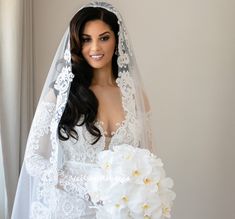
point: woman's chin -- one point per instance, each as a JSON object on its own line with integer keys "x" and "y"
{"x": 98, "y": 65}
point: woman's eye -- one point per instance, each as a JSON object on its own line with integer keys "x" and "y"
{"x": 105, "y": 38}
{"x": 84, "y": 40}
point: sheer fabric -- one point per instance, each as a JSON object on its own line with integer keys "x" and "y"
{"x": 52, "y": 180}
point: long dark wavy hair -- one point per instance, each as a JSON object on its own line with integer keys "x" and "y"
{"x": 82, "y": 102}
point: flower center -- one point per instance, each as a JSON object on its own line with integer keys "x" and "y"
{"x": 125, "y": 199}
{"x": 147, "y": 181}
{"x": 135, "y": 173}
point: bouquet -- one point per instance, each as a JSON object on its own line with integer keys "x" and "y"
{"x": 130, "y": 183}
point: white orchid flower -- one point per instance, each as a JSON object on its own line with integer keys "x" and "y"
{"x": 130, "y": 183}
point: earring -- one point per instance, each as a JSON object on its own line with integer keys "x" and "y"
{"x": 116, "y": 51}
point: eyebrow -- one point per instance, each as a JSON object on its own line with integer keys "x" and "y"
{"x": 99, "y": 35}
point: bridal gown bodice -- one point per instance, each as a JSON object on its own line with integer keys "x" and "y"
{"x": 78, "y": 156}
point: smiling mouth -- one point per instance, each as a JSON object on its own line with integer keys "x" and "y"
{"x": 97, "y": 57}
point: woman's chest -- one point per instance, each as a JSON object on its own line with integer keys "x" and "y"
{"x": 111, "y": 113}
{"x": 83, "y": 151}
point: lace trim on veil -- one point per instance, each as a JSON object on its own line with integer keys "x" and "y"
{"x": 43, "y": 166}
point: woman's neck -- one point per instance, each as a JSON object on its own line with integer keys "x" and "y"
{"x": 103, "y": 77}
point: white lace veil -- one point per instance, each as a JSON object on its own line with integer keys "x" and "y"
{"x": 36, "y": 193}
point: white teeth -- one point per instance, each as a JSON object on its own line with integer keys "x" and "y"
{"x": 97, "y": 57}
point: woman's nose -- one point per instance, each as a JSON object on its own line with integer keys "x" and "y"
{"x": 95, "y": 46}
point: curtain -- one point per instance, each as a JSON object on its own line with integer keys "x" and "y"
{"x": 3, "y": 198}
{"x": 16, "y": 88}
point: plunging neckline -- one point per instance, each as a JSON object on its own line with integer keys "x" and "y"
{"x": 113, "y": 133}
{"x": 120, "y": 125}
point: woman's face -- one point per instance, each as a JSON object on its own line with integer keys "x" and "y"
{"x": 98, "y": 44}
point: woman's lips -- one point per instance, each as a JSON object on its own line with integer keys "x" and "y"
{"x": 97, "y": 57}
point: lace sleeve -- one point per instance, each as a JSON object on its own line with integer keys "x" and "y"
{"x": 149, "y": 132}
{"x": 149, "y": 127}
{"x": 37, "y": 162}
{"x": 38, "y": 147}
{"x": 72, "y": 184}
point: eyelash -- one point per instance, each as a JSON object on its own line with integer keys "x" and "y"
{"x": 104, "y": 38}
{"x": 84, "y": 40}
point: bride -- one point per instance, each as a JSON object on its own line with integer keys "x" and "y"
{"x": 92, "y": 100}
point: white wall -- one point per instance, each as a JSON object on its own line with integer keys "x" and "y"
{"x": 186, "y": 51}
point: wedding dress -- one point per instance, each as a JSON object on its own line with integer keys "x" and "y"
{"x": 53, "y": 174}
{"x": 79, "y": 157}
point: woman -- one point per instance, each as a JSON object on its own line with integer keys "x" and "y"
{"x": 92, "y": 100}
